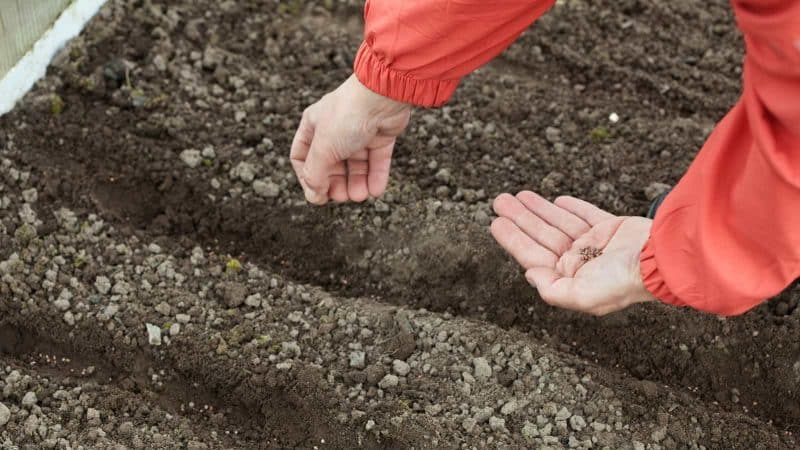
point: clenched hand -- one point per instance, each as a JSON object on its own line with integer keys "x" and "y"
{"x": 343, "y": 147}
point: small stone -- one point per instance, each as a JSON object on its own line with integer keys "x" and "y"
{"x": 30, "y": 195}
{"x": 638, "y": 445}
{"x": 163, "y": 308}
{"x": 253, "y": 301}
{"x": 577, "y": 423}
{"x": 174, "y": 329}
{"x": 563, "y": 414}
{"x": 5, "y": 415}
{"x": 102, "y": 284}
{"x": 483, "y": 371}
{"x": 291, "y": 348}
{"x": 183, "y": 318}
{"x": 483, "y": 414}
{"x": 401, "y": 367}
{"x": 357, "y": 359}
{"x": 266, "y": 188}
{"x": 389, "y": 381}
{"x": 552, "y": 135}
{"x": 153, "y": 334}
{"x": 234, "y": 294}
{"x": 244, "y": 171}
{"x": 509, "y": 408}
{"x": 469, "y": 424}
{"x": 69, "y": 318}
{"x": 29, "y": 399}
{"x": 93, "y": 416}
{"x": 613, "y": 117}
{"x": 61, "y": 304}
{"x": 370, "y": 425}
{"x": 529, "y": 431}
{"x": 659, "y": 434}
{"x": 497, "y": 424}
{"x": 191, "y": 158}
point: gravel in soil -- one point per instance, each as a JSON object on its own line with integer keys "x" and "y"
{"x": 164, "y": 284}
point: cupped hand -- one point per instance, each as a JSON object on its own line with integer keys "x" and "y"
{"x": 343, "y": 147}
{"x": 578, "y": 256}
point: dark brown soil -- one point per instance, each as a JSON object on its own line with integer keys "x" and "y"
{"x": 536, "y": 118}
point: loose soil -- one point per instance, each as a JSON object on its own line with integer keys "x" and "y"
{"x": 159, "y": 191}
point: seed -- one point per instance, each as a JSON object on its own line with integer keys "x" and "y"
{"x": 590, "y": 253}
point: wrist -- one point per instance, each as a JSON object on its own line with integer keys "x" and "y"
{"x": 376, "y": 103}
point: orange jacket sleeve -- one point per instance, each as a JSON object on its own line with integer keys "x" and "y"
{"x": 416, "y": 51}
{"x": 728, "y": 236}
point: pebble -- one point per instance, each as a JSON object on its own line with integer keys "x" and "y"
{"x": 61, "y": 304}
{"x": 102, "y": 284}
{"x": 483, "y": 414}
{"x": 483, "y": 371}
{"x": 401, "y": 367}
{"x": 30, "y": 195}
{"x": 389, "y": 381}
{"x": 253, "y": 300}
{"x": 370, "y": 425}
{"x": 191, "y": 158}
{"x": 174, "y": 329}
{"x": 529, "y": 431}
{"x": 234, "y": 294}
{"x": 244, "y": 171}
{"x": 153, "y": 334}
{"x": 577, "y": 423}
{"x": 563, "y": 414}
{"x": 509, "y": 408}
{"x": 183, "y": 318}
{"x": 163, "y": 308}
{"x": 497, "y": 424}
{"x": 266, "y": 188}
{"x": 469, "y": 424}
{"x": 29, "y": 399}
{"x": 69, "y": 318}
{"x": 5, "y": 414}
{"x": 357, "y": 359}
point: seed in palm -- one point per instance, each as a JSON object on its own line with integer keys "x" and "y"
{"x": 590, "y": 253}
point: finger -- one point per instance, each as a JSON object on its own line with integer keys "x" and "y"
{"x": 506, "y": 205}
{"x": 357, "y": 170}
{"x": 554, "y": 289}
{"x": 318, "y": 169}
{"x": 338, "y": 189}
{"x": 380, "y": 161}
{"x": 570, "y": 224}
{"x": 527, "y": 252}
{"x": 588, "y": 212}
{"x": 300, "y": 147}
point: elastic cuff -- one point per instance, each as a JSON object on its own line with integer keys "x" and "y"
{"x": 373, "y": 73}
{"x": 652, "y": 279}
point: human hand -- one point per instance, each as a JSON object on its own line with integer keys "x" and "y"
{"x": 343, "y": 147}
{"x": 578, "y": 256}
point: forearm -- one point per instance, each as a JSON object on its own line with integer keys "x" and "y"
{"x": 727, "y": 237}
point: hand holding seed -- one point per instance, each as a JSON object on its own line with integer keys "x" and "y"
{"x": 578, "y": 256}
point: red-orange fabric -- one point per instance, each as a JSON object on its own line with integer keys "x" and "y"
{"x": 416, "y": 51}
{"x": 728, "y": 236}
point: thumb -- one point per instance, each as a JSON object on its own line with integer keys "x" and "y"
{"x": 317, "y": 170}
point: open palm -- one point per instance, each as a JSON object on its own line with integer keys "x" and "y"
{"x": 578, "y": 256}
